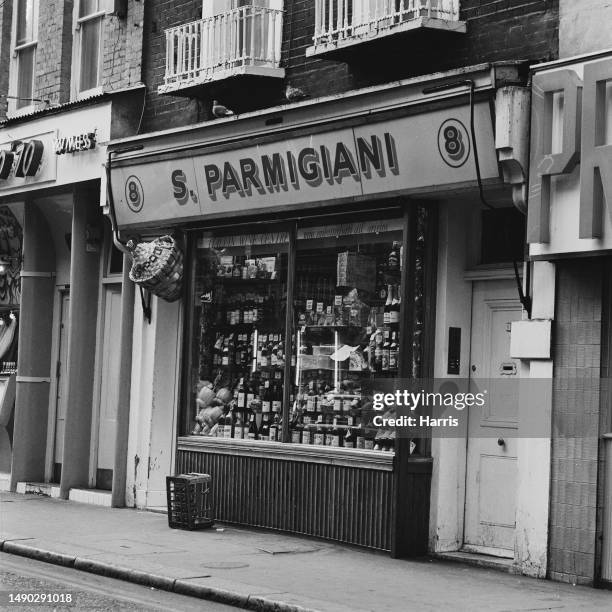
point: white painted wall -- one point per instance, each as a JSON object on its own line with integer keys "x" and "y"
{"x": 57, "y": 170}
{"x": 453, "y": 309}
{"x": 141, "y": 399}
{"x": 534, "y": 454}
{"x": 153, "y": 403}
{"x": 584, "y": 26}
{"x": 164, "y": 408}
{"x": 458, "y": 240}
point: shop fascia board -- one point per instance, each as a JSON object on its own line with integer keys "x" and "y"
{"x": 59, "y": 171}
{"x": 363, "y": 105}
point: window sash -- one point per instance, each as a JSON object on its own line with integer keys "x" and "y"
{"x": 25, "y": 22}
{"x": 26, "y": 61}
{"x": 91, "y": 17}
{"x": 89, "y": 54}
{"x": 88, "y": 7}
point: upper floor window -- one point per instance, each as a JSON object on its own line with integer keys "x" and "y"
{"x": 88, "y": 45}
{"x": 25, "y": 34}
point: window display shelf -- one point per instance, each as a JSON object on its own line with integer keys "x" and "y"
{"x": 234, "y": 280}
{"x": 350, "y": 457}
{"x": 316, "y": 328}
{"x": 260, "y": 326}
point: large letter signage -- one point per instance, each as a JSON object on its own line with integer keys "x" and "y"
{"x": 583, "y": 141}
{"x": 596, "y": 164}
{"x": 544, "y": 163}
{"x": 23, "y": 159}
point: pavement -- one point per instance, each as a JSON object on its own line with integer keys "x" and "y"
{"x": 264, "y": 570}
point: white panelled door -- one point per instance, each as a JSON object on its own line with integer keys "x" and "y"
{"x": 491, "y": 477}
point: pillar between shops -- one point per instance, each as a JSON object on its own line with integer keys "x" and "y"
{"x": 534, "y": 451}
{"x": 84, "y": 286}
{"x": 153, "y": 403}
{"x": 34, "y": 352}
{"x": 125, "y": 386}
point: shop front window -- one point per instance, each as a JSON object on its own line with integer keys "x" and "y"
{"x": 238, "y": 336}
{"x": 358, "y": 311}
{"x": 347, "y": 302}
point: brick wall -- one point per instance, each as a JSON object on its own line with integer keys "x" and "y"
{"x": 166, "y": 111}
{"x": 54, "y": 51}
{"x": 497, "y": 30}
{"x": 576, "y": 413}
{"x": 122, "y": 60}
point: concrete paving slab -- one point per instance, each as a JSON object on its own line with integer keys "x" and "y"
{"x": 265, "y": 570}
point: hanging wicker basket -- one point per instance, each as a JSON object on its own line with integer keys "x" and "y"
{"x": 158, "y": 267}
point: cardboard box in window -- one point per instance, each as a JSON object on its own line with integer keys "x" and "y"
{"x": 356, "y": 270}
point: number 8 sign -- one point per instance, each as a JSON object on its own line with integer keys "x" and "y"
{"x": 453, "y": 143}
{"x": 134, "y": 193}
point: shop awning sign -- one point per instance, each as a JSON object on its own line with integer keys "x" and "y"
{"x": 413, "y": 155}
{"x": 26, "y": 161}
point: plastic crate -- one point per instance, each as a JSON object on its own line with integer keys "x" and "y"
{"x": 189, "y": 505}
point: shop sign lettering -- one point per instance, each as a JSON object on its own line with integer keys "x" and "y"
{"x": 243, "y": 240}
{"x": 583, "y": 141}
{"x": 413, "y": 155}
{"x": 348, "y": 229}
{"x": 23, "y": 159}
{"x": 74, "y": 144}
{"x": 281, "y": 171}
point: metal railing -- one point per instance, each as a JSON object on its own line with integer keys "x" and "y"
{"x": 338, "y": 20}
{"x": 246, "y": 36}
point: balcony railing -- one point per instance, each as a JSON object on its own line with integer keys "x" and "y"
{"x": 242, "y": 41}
{"x": 342, "y": 21}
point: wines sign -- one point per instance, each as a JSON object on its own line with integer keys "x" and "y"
{"x": 413, "y": 155}
{"x": 74, "y": 144}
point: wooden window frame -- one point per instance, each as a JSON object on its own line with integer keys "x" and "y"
{"x": 13, "y": 109}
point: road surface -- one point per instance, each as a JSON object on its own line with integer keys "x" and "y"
{"x": 89, "y": 592}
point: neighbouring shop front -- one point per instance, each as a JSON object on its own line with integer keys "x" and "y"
{"x": 311, "y": 284}
{"x": 569, "y": 231}
{"x": 66, "y": 281}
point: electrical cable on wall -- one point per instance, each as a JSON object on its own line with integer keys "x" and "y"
{"x": 524, "y": 298}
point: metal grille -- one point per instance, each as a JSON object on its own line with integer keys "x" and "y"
{"x": 346, "y": 504}
{"x": 246, "y": 36}
{"x": 337, "y": 20}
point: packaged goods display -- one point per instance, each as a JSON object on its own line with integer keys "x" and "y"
{"x": 241, "y": 289}
{"x": 347, "y": 305}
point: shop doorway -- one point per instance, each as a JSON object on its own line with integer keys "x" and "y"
{"x": 106, "y": 427}
{"x": 61, "y": 397}
{"x": 491, "y": 475}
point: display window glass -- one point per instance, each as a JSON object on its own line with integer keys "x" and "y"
{"x": 237, "y": 359}
{"x": 347, "y": 303}
{"x": 357, "y": 295}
